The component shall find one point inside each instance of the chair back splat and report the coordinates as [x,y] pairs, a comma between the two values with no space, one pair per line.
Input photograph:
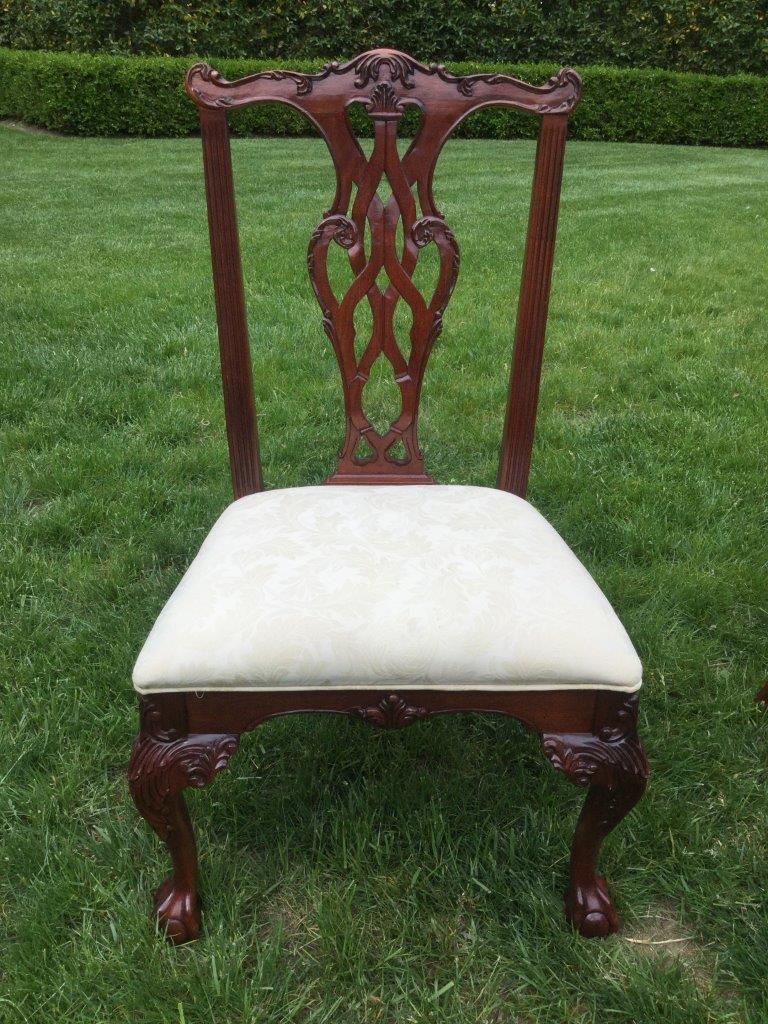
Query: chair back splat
[383,240]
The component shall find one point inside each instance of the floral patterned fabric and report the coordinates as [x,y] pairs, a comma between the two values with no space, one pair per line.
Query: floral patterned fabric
[401,587]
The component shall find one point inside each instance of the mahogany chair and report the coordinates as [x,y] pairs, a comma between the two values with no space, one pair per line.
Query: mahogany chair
[390,599]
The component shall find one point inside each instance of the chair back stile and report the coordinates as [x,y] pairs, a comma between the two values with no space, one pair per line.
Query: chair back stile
[383,240]
[239,407]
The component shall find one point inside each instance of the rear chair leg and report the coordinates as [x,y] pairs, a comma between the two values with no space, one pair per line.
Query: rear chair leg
[163,763]
[612,763]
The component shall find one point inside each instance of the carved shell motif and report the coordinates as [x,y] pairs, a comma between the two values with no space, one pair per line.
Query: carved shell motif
[399,65]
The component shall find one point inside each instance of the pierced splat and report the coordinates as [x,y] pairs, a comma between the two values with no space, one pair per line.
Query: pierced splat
[383,276]
[382,217]
[338,312]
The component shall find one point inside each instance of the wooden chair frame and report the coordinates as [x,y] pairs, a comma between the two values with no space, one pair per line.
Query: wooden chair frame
[185,739]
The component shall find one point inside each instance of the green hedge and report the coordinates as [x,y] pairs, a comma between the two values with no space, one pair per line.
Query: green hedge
[100,95]
[712,36]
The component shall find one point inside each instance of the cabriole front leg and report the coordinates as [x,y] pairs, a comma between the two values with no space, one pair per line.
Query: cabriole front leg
[163,763]
[613,765]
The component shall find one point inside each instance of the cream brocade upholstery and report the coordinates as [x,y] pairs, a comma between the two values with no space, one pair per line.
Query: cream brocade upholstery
[379,587]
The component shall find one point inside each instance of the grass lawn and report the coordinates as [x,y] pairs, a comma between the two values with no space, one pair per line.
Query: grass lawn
[349,875]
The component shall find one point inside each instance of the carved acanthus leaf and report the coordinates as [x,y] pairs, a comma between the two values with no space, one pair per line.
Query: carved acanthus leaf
[383,100]
[565,76]
[303,82]
[206,73]
[162,765]
[391,712]
[586,760]
[466,83]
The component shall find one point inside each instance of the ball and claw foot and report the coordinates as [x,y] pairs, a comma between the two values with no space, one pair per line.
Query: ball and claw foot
[178,912]
[611,765]
[590,910]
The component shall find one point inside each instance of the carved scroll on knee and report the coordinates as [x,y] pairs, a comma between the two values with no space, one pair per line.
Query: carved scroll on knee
[164,763]
[586,760]
[613,758]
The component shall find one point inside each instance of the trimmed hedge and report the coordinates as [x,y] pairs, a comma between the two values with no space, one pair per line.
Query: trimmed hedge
[87,94]
[713,36]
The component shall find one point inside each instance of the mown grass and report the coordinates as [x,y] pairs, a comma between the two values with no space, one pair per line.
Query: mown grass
[348,875]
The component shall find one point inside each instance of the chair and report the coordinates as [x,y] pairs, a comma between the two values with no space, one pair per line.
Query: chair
[384,596]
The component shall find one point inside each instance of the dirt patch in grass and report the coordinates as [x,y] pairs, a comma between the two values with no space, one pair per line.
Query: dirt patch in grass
[659,933]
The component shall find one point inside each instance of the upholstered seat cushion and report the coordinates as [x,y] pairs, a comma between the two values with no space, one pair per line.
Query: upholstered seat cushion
[386,586]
